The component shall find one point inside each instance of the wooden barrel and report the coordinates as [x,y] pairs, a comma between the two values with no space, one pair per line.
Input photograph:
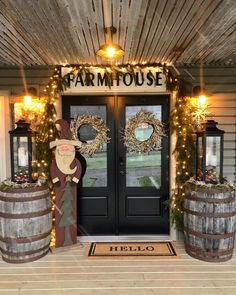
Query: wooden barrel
[209,222]
[25,223]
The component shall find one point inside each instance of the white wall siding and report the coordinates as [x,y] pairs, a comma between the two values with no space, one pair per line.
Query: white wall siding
[14,79]
[220,83]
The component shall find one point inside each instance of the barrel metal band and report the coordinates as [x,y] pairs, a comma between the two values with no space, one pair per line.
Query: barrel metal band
[211,253]
[213,214]
[25,199]
[216,258]
[209,236]
[25,239]
[209,200]
[25,260]
[25,215]
[10,253]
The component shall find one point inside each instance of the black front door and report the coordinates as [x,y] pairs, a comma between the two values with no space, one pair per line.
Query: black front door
[122,193]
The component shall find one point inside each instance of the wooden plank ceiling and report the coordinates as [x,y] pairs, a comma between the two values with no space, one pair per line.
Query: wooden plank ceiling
[52,32]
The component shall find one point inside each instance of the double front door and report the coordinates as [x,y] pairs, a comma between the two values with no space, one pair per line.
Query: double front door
[122,193]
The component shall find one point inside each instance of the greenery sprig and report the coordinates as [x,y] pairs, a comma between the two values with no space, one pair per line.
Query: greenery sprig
[227,186]
[8,184]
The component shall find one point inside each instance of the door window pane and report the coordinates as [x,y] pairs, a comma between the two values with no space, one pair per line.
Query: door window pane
[20,153]
[96,172]
[213,156]
[143,170]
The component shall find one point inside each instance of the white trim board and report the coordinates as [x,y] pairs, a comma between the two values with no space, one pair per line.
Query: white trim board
[4,136]
[131,238]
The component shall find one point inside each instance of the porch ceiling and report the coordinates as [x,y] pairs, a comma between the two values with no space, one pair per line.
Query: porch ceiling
[50,32]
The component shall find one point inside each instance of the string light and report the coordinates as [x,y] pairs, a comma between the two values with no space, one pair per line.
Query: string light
[46,133]
[184,123]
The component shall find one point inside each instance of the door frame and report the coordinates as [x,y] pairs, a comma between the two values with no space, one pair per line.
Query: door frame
[123,190]
[108,193]
[174,234]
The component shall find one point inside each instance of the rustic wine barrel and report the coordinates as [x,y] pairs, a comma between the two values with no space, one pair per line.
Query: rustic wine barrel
[25,223]
[209,222]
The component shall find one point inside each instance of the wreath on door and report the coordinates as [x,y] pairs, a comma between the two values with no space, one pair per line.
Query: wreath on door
[144,119]
[100,128]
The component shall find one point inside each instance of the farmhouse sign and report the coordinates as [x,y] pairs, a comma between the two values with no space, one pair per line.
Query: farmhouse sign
[98,80]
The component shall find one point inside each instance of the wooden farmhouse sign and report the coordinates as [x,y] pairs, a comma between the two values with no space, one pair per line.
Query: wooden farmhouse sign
[148,79]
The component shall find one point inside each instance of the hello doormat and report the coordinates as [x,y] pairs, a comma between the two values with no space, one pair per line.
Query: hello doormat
[132,249]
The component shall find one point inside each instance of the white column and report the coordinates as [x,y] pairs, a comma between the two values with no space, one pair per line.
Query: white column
[173,138]
[5,126]
[58,107]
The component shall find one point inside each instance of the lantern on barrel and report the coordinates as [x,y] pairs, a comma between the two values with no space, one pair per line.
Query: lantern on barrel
[209,208]
[22,140]
[209,154]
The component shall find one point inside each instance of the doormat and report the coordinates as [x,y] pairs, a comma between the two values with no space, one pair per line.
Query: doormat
[132,249]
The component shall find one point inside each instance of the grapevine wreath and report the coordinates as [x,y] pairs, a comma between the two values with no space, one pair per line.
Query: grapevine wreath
[98,125]
[152,143]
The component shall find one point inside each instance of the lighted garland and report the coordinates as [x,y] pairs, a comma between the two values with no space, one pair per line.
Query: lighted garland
[98,125]
[152,143]
[182,125]
[58,83]
[112,72]
[47,132]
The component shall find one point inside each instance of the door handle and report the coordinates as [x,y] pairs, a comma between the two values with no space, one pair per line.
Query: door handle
[122,172]
[121,161]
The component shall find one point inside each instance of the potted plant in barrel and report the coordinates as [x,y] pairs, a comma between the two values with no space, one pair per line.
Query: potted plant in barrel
[209,207]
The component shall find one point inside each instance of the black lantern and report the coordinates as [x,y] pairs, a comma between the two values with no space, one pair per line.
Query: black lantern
[22,141]
[209,153]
